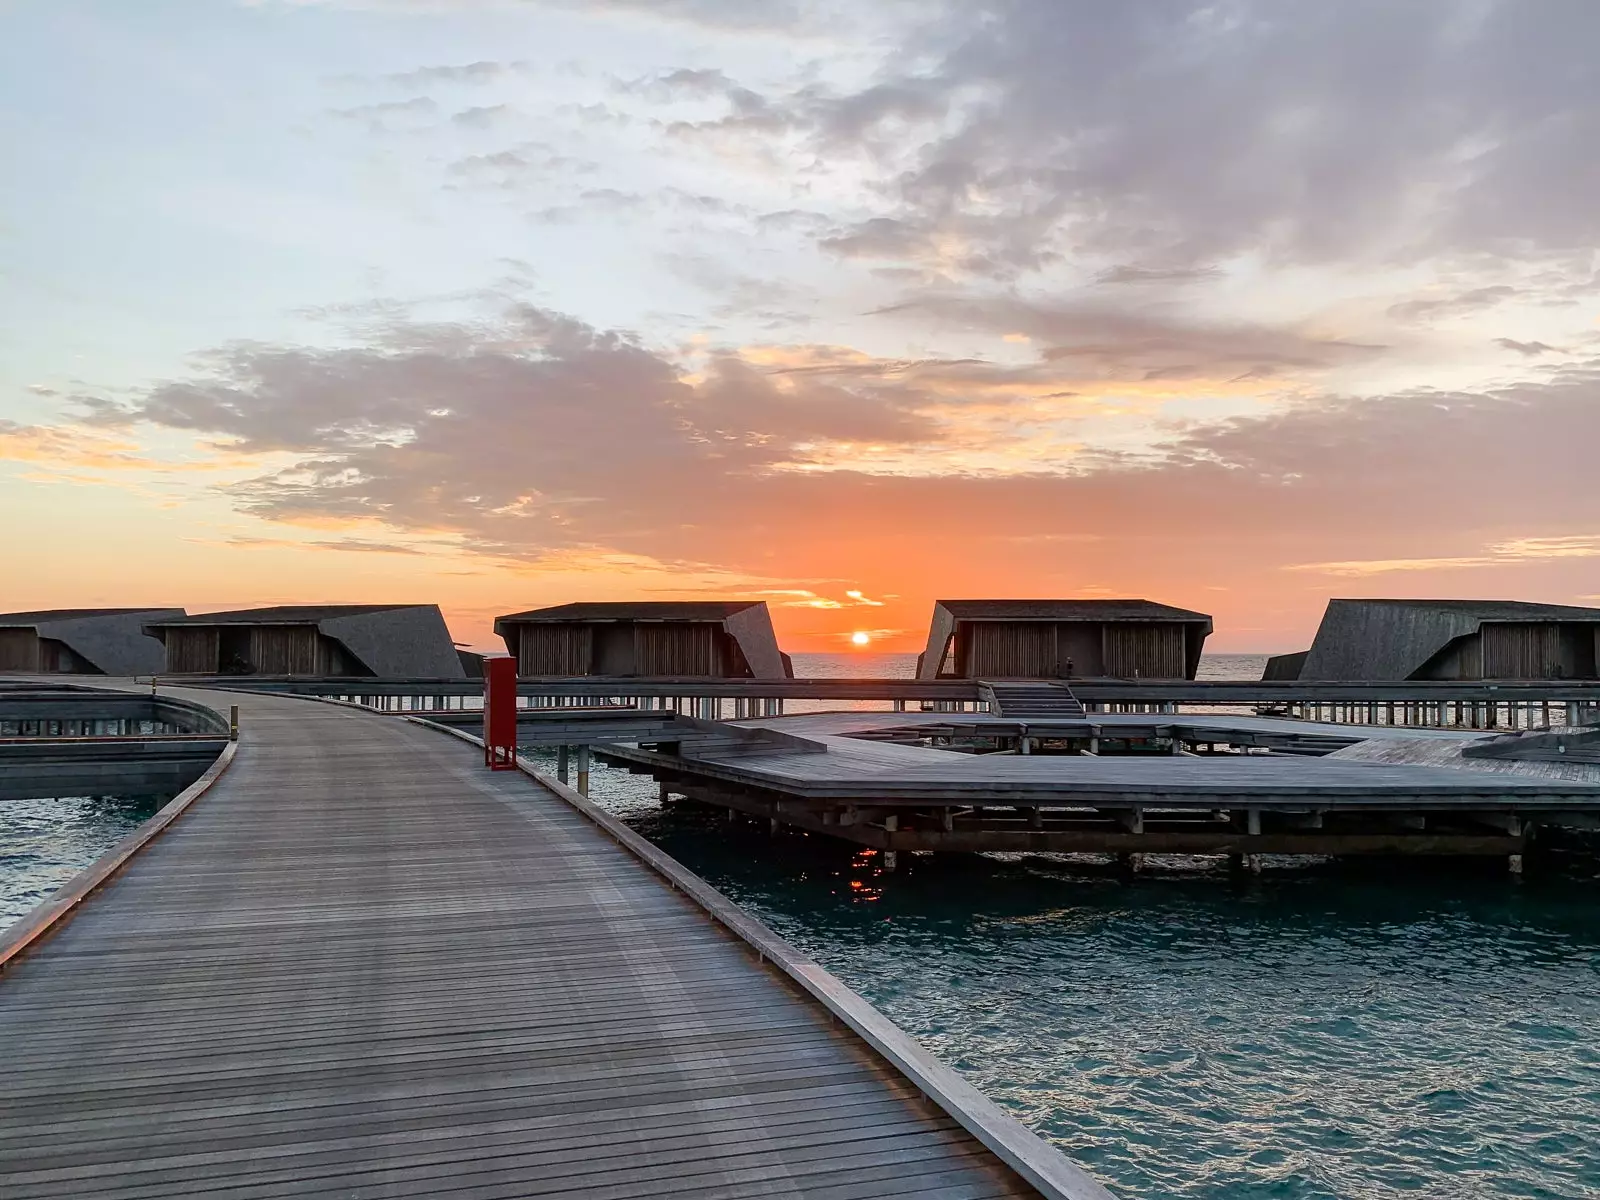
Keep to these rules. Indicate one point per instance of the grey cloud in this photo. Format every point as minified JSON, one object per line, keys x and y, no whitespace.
{"x":731,"y":15}
{"x":510,"y":435}
{"x":835,"y":122}
{"x":1111,"y":342}
{"x":1526,"y":349}
{"x":534,"y":402}
{"x":1465,"y":304}
{"x":517,"y":166}
{"x":1128,"y":273}
{"x":482,"y":116}
{"x":470,"y":73}
{"x":726,"y":14}
{"x":418,"y":106}
{"x":1194,"y":131}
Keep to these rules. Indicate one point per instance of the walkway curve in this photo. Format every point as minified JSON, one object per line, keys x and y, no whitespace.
{"x":363,"y":966}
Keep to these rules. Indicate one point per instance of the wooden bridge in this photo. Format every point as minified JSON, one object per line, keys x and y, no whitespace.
{"x":354,"y":963}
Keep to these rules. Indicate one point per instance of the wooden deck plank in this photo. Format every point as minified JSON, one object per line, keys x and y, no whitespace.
{"x":361,"y":965}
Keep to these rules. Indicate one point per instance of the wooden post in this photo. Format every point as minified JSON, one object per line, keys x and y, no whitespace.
{"x":563,"y":753}
{"x":233,"y":722}
{"x":583,"y":770}
{"x":891,"y":858}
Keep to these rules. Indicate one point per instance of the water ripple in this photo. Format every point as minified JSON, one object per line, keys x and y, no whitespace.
{"x":1319,"y":1034}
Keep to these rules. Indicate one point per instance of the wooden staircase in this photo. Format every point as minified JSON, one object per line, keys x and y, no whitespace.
{"x":1032,"y":700}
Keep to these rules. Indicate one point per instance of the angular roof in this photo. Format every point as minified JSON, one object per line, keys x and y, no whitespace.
{"x":637,"y":610}
{"x":1067,"y":610}
{"x":110,"y":640}
{"x":286,"y":614}
{"x":1494,"y":610}
{"x":46,"y":615}
{"x":1377,"y":640}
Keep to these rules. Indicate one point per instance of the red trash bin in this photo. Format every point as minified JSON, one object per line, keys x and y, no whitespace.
{"x":500,"y":712}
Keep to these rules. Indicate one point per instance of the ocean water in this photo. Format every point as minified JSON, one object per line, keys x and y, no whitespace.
{"x":44,"y":843}
{"x":1320,"y":1032}
{"x":1325,"y":1031}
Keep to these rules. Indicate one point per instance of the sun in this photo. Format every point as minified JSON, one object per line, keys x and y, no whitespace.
{"x":858,"y":638}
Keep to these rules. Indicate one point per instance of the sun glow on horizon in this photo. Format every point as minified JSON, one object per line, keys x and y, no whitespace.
{"x":860,"y":638}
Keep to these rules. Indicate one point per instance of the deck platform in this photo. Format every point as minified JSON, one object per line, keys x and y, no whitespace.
{"x":863,"y":788}
{"x":362,"y":966}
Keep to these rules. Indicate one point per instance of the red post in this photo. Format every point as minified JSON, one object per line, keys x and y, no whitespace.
{"x":500,"y":712}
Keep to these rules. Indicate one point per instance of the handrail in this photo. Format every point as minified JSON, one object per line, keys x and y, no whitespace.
{"x":53,"y":912}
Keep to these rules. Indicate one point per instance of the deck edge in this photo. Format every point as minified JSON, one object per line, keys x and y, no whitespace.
{"x":59,"y":907}
{"x":1044,"y":1167}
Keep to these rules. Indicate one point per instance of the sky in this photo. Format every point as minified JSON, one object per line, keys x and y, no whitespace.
{"x":1234,"y":305}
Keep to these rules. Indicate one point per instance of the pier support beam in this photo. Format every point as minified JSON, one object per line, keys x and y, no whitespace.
{"x":563,"y":768}
{"x":583,"y":770}
{"x":891,"y":858}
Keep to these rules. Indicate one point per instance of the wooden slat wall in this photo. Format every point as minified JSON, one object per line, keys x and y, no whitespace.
{"x":566,"y":650}
{"x":57,"y":656}
{"x":1009,"y":649}
{"x":19,"y":650}
{"x":1530,"y":650}
{"x":193,"y":651}
{"x":676,"y":649}
{"x":1148,"y":651}
{"x":287,"y":650}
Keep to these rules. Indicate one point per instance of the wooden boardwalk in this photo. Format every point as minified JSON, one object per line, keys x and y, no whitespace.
{"x":363,"y":966}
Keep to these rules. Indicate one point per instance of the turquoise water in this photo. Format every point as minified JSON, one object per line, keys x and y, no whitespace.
{"x":44,"y":843}
{"x":1322,"y":1032}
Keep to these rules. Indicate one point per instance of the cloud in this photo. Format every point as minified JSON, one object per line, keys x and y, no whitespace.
{"x":482,"y":116}
{"x":344,"y":545}
{"x":1191,"y":132}
{"x":1093,"y":339}
{"x":731,"y":15}
{"x":1129,"y":273}
{"x":1504,"y":554}
{"x":517,"y":167}
{"x":418,"y":106}
{"x":1526,"y":349}
{"x":481,"y":72}
{"x":534,"y":434}
{"x":55,"y":446}
{"x":1464,"y":304}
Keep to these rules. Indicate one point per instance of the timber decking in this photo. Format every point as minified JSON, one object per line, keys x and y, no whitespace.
{"x":363,"y":966}
{"x":886,"y":774}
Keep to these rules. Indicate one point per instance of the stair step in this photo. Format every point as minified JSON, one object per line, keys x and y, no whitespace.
{"x":1020,"y":701}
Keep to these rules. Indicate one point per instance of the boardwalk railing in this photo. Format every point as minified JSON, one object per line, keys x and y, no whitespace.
{"x":1030,"y":1156}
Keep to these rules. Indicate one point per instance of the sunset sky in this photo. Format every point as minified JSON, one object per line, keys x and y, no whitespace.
{"x":1234,"y":305}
